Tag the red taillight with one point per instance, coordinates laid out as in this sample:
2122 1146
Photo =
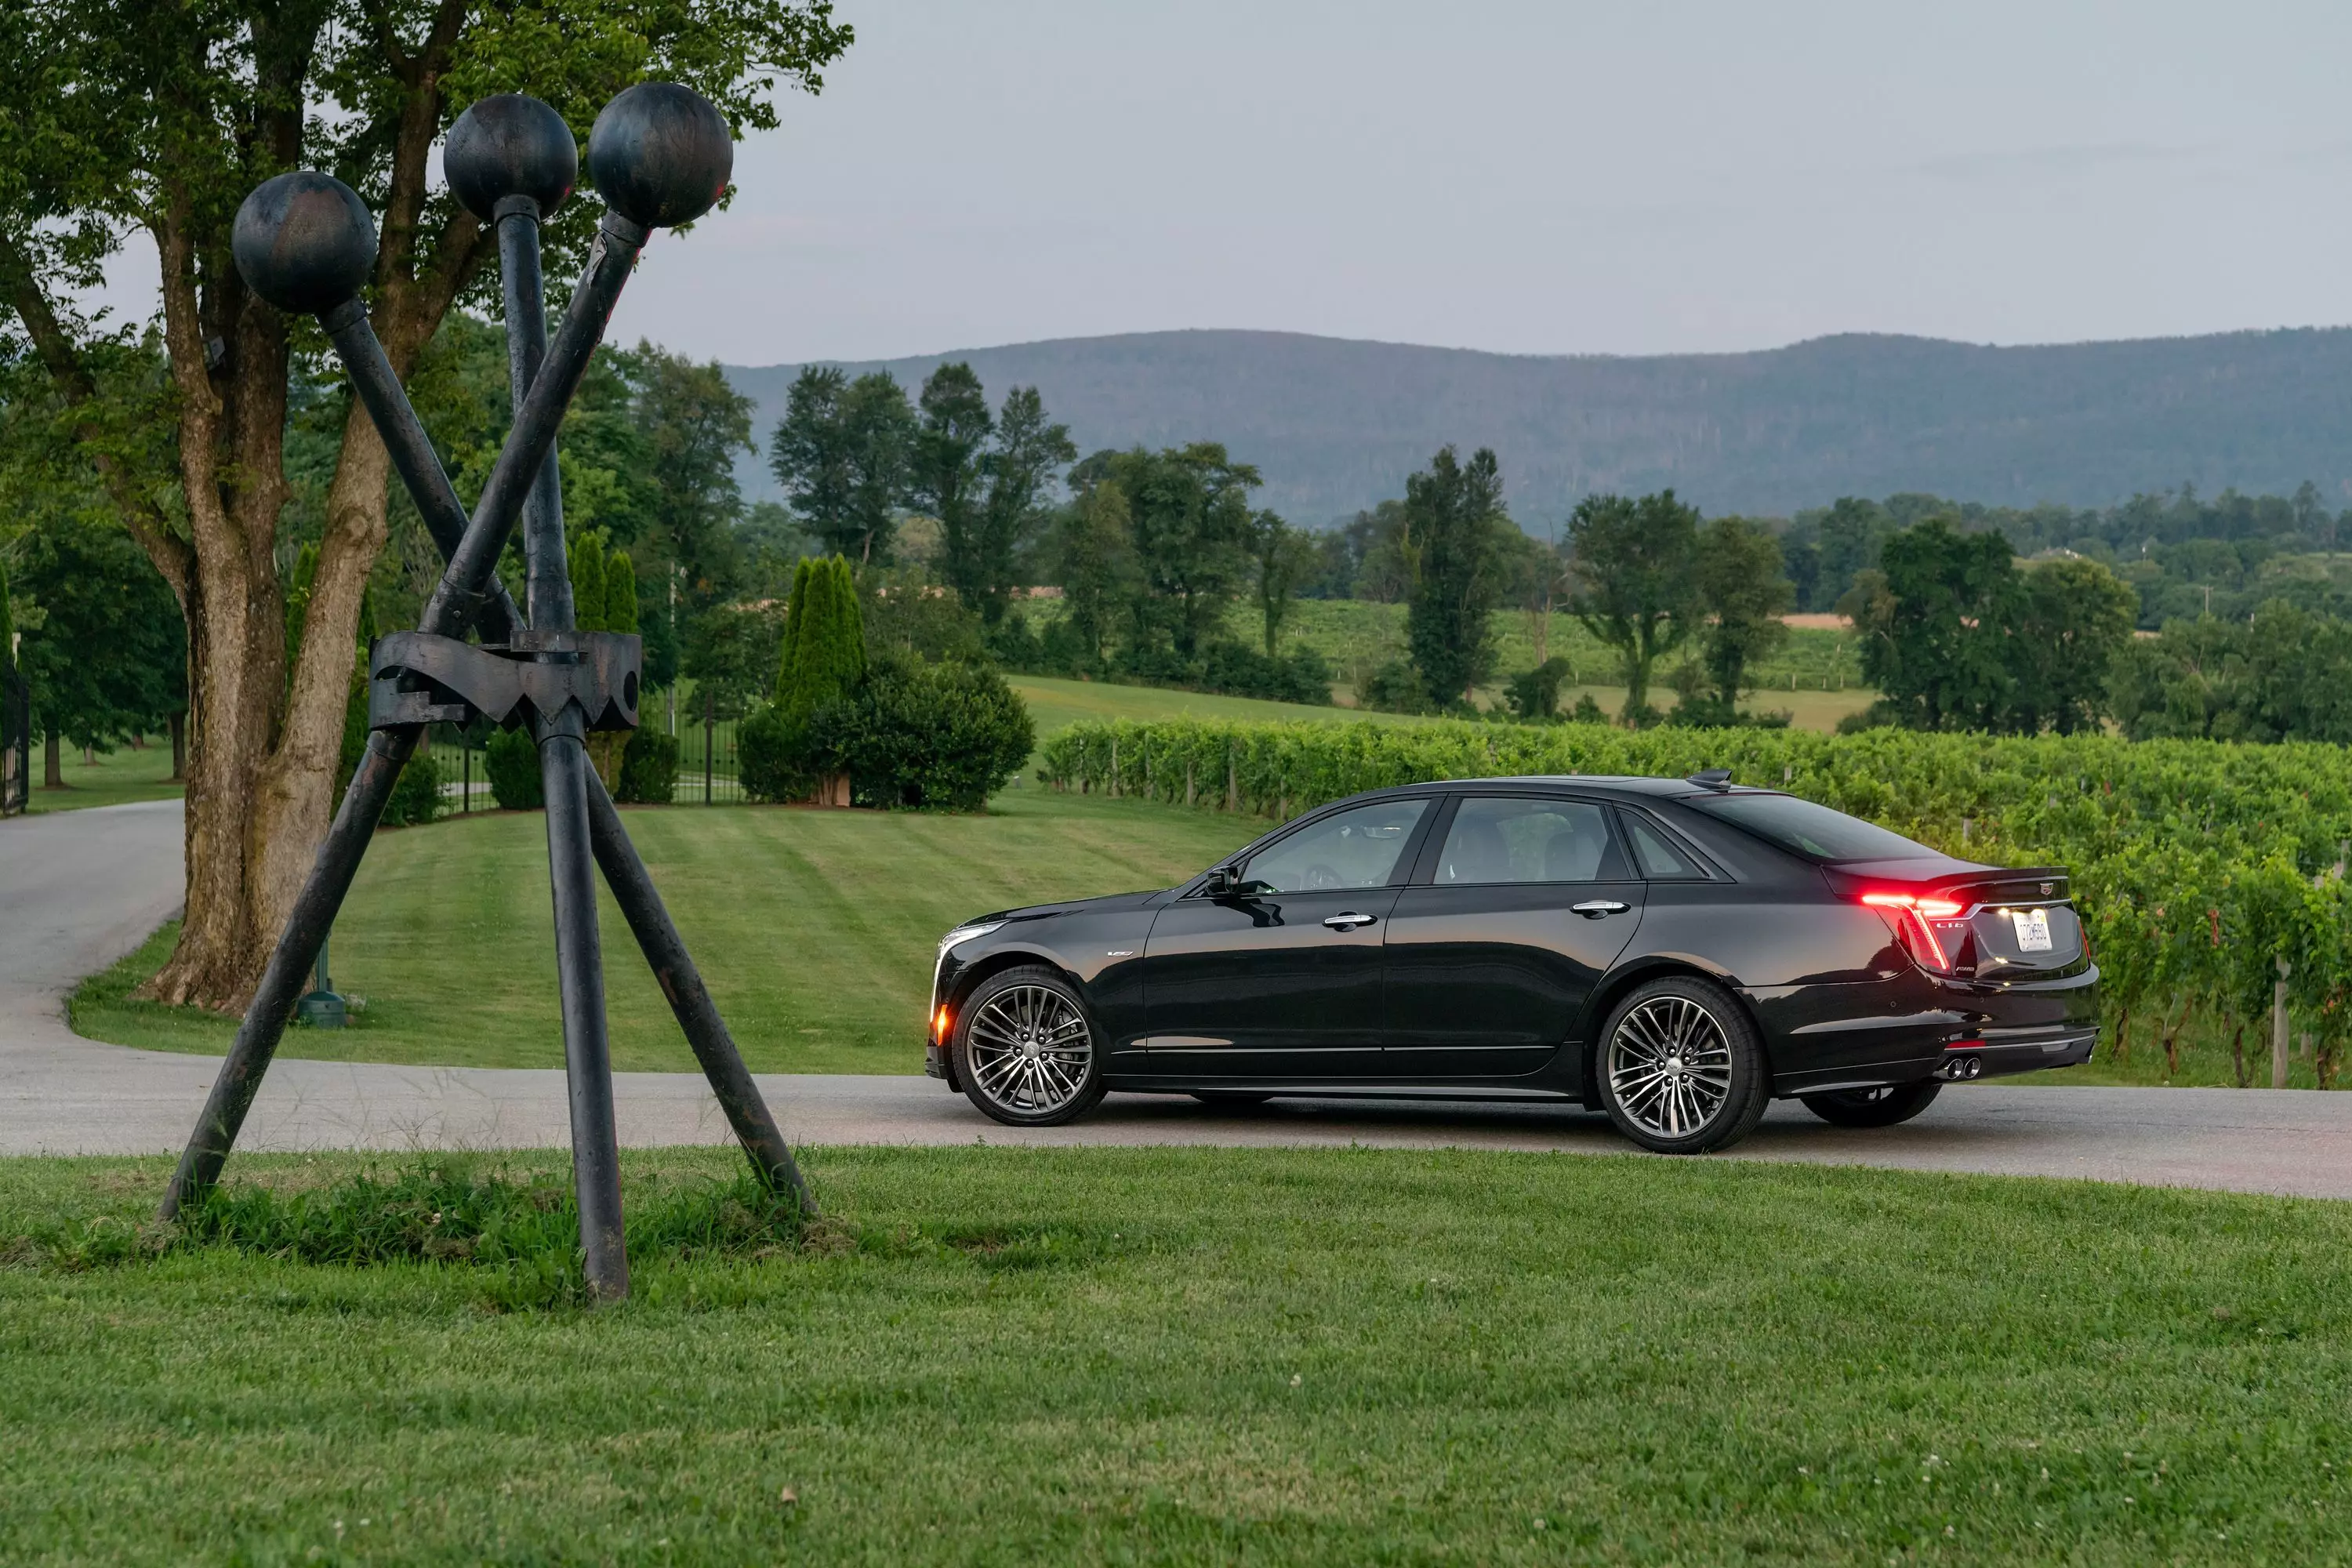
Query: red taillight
1922 921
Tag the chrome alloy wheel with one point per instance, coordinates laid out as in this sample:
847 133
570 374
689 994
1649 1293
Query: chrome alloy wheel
1670 1066
1029 1049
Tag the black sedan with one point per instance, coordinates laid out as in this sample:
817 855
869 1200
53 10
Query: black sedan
1675 953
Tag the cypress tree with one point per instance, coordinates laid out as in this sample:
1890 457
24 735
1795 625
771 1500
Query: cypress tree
825 639
587 555
795 618
620 593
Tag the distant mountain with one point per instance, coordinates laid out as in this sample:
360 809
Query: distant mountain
1336 425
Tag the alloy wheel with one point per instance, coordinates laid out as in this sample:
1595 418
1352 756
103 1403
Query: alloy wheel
1670 1066
1029 1048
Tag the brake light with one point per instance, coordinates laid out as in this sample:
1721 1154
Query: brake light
1923 923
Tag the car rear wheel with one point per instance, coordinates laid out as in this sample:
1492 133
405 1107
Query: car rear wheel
1682 1071
1231 1097
1024 1049
1882 1107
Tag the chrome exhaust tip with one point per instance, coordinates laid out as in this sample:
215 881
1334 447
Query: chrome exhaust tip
1961 1069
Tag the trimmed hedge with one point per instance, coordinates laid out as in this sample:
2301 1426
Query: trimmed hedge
648 769
511 762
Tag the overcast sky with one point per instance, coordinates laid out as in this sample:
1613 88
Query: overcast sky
1536 177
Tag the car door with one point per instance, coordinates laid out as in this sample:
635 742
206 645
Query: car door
1495 948
1280 978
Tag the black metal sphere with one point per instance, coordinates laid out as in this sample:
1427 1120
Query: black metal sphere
660 154
304 242
510 146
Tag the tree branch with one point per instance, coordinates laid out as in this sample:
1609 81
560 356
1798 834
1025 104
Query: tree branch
54 347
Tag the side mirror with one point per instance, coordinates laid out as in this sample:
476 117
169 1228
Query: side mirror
1219 883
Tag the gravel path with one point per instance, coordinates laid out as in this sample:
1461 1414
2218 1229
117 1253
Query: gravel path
77 889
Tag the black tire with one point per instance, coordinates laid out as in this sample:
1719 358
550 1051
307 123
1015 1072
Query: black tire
1233 1097
1883 1107
1664 1102
1033 1032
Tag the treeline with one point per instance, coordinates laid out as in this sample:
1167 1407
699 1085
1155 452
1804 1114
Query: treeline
2182 554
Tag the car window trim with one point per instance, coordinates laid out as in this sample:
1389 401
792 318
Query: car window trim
1708 869
1425 875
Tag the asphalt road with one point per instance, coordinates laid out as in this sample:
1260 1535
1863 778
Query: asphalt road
80 889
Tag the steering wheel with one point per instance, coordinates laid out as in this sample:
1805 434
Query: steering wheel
1323 879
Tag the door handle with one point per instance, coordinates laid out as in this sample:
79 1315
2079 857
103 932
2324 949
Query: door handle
1349 921
1594 908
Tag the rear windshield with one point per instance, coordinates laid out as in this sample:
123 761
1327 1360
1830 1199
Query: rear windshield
1813 831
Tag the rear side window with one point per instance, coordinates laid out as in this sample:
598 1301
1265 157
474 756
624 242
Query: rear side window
1815 832
1500 839
1656 855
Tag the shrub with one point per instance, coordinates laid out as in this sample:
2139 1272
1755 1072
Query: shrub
771 756
648 768
511 762
415 797
1534 693
912 734
1394 687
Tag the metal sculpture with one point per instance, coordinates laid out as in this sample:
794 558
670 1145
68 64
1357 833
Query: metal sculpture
660 155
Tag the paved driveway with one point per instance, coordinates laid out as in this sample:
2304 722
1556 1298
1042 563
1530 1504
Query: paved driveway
80 889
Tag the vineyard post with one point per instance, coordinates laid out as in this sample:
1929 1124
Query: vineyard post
2278 1028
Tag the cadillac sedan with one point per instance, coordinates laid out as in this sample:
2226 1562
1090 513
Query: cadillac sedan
1675 954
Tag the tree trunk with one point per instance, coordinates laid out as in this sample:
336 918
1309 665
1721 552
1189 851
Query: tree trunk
179 725
53 772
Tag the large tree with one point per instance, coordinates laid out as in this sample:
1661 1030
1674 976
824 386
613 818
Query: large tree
1188 531
1933 620
127 117
107 663
1744 590
1021 464
2075 617
944 474
1454 513
1635 562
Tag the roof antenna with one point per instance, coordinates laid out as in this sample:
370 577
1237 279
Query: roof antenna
1716 779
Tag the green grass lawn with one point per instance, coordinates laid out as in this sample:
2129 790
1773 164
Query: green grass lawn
114 778
816 928
996 1355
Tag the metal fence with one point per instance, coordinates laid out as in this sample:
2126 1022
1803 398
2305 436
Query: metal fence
707 773
16 742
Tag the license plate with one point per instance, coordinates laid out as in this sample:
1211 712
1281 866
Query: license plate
2032 929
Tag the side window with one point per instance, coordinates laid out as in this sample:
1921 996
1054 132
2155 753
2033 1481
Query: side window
1656 855
1509 839
1357 848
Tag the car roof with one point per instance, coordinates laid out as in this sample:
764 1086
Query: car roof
1629 783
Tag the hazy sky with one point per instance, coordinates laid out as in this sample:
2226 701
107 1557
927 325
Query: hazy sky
1533 178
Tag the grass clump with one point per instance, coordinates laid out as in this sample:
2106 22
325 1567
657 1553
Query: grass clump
514 1228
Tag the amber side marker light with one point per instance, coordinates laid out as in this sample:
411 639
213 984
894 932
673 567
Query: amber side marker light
940 1024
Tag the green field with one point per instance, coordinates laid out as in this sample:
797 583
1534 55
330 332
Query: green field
114 778
996 1355
816 928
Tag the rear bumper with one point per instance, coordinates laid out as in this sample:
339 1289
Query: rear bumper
1925 1027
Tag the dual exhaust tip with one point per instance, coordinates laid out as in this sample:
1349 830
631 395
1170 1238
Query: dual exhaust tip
1961 1069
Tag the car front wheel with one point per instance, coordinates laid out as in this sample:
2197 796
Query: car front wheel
1024 1049
1882 1107
1682 1071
